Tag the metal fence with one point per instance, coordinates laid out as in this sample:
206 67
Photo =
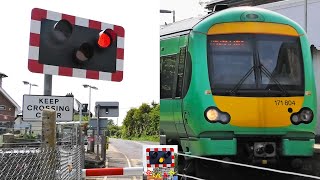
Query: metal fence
38 161
71 150
27 163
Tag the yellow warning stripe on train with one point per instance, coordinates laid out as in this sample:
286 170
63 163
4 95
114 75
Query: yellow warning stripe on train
253 27
259 111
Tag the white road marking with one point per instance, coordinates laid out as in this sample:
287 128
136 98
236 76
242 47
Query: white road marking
112 148
116 150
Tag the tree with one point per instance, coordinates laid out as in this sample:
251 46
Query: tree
142 121
128 123
114 130
155 120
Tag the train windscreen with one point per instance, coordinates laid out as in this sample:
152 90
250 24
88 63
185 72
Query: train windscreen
255 64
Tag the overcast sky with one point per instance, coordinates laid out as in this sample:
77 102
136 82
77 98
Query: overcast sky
183 9
140 19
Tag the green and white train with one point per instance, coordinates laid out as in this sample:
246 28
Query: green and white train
238 85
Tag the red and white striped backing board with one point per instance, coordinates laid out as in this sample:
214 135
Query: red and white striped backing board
34 66
160 165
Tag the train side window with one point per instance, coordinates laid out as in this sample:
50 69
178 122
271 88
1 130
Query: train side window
167 71
180 73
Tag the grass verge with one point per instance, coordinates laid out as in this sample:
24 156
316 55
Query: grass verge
145 138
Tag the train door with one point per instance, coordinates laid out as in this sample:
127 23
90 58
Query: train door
169 52
178 87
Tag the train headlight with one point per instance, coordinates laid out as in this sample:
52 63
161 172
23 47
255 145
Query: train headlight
305 115
213 115
224 118
295 119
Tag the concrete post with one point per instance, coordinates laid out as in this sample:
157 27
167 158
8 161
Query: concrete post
47 90
103 147
92 142
98 131
49 140
49 128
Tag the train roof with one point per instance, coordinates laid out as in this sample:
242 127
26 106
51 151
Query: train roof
180 26
188 24
185 26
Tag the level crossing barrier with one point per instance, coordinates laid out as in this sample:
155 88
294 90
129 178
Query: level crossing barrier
126 171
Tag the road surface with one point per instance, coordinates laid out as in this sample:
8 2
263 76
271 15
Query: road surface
125 153
130 150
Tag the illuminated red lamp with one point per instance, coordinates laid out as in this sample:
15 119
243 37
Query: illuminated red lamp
106 38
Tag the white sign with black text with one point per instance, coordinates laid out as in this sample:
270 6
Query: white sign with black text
33 106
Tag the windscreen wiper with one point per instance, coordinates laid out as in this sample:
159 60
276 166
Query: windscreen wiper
268 74
238 85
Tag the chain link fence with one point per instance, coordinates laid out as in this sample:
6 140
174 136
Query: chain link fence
71 150
27 163
35 160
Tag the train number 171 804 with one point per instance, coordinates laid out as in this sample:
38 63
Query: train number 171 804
285 102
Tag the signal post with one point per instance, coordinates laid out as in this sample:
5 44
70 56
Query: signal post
67 45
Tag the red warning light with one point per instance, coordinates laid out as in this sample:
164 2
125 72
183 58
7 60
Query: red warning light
104 40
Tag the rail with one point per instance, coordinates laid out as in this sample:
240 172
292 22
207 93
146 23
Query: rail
243 165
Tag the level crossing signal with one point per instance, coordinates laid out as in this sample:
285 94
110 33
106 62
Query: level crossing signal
66 45
160 157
